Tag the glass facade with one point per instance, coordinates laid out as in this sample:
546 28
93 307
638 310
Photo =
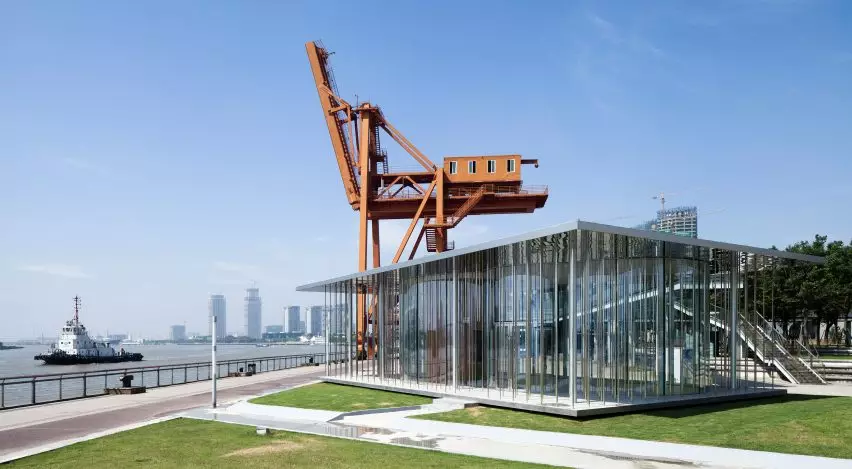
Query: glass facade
575 319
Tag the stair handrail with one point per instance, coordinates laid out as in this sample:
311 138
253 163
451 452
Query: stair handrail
800 350
811 356
468 205
771 333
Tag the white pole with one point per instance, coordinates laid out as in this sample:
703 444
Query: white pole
213 367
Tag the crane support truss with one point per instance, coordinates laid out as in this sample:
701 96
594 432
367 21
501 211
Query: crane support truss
377 192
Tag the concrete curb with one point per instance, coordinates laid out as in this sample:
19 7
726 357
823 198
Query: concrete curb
279 412
382 410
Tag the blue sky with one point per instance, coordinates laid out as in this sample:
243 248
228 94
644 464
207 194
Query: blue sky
152 153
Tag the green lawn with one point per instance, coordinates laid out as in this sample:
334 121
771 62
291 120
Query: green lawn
195 443
340 398
811 425
835 357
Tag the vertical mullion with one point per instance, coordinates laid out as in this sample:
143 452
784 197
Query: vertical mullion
528 336
541 351
554 305
572 321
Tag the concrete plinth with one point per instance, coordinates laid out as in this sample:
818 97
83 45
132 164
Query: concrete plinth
130 390
583 409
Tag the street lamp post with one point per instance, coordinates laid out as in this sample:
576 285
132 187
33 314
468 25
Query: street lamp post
213 368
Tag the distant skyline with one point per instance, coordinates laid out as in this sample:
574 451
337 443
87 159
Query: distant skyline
253 310
155 153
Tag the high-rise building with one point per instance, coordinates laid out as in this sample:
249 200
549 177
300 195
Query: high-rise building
252 310
681 221
336 317
177 333
302 326
293 320
216 307
315 320
274 329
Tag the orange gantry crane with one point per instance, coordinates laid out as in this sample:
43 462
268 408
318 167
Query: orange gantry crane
436 197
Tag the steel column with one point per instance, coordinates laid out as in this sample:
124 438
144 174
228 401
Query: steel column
734 320
572 322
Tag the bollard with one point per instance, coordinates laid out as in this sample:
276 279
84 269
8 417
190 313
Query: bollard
60 388
33 391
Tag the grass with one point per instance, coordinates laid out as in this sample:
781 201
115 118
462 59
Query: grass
810 425
835 357
340 398
195 443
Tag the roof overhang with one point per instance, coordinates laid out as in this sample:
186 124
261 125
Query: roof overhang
562 228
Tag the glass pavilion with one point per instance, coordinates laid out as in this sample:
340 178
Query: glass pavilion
577 319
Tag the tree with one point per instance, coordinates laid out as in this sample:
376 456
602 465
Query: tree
823 291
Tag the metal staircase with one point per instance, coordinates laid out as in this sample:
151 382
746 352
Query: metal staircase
431 243
381 154
467 206
791 358
794 361
430 229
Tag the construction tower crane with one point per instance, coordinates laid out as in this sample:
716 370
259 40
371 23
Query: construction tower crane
436 197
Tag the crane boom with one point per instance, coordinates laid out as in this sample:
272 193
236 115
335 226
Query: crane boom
333 106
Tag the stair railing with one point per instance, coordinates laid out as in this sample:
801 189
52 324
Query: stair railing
797 349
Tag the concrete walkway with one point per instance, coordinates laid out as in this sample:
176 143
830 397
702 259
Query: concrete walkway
593 451
557 449
41 428
50 425
833 389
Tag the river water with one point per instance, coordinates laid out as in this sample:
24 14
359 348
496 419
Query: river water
22 391
20 362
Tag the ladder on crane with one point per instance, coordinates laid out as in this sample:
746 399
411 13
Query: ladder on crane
431 229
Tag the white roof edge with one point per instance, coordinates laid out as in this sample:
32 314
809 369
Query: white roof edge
561 228
660 236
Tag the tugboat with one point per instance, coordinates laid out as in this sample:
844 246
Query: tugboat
75 347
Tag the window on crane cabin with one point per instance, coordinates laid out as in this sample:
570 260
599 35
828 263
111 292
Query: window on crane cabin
492 166
454 167
510 165
471 167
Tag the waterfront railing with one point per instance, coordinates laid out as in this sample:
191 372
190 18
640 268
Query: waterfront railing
28 390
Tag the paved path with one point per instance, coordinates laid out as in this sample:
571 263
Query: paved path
589 451
558 449
833 389
42 425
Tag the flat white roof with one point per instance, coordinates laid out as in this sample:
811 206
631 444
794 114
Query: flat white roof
562 228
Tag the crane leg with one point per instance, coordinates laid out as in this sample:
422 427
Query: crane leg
440 233
377 250
364 162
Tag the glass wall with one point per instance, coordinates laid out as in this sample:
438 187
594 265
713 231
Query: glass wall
580 318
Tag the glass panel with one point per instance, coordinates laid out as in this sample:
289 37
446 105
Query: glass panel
578 318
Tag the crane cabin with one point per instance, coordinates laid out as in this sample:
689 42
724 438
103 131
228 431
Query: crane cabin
499 169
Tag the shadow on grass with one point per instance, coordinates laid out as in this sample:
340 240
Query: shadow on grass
701 409
686 411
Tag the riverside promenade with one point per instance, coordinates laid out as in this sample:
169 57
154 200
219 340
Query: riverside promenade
55 424
27 432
